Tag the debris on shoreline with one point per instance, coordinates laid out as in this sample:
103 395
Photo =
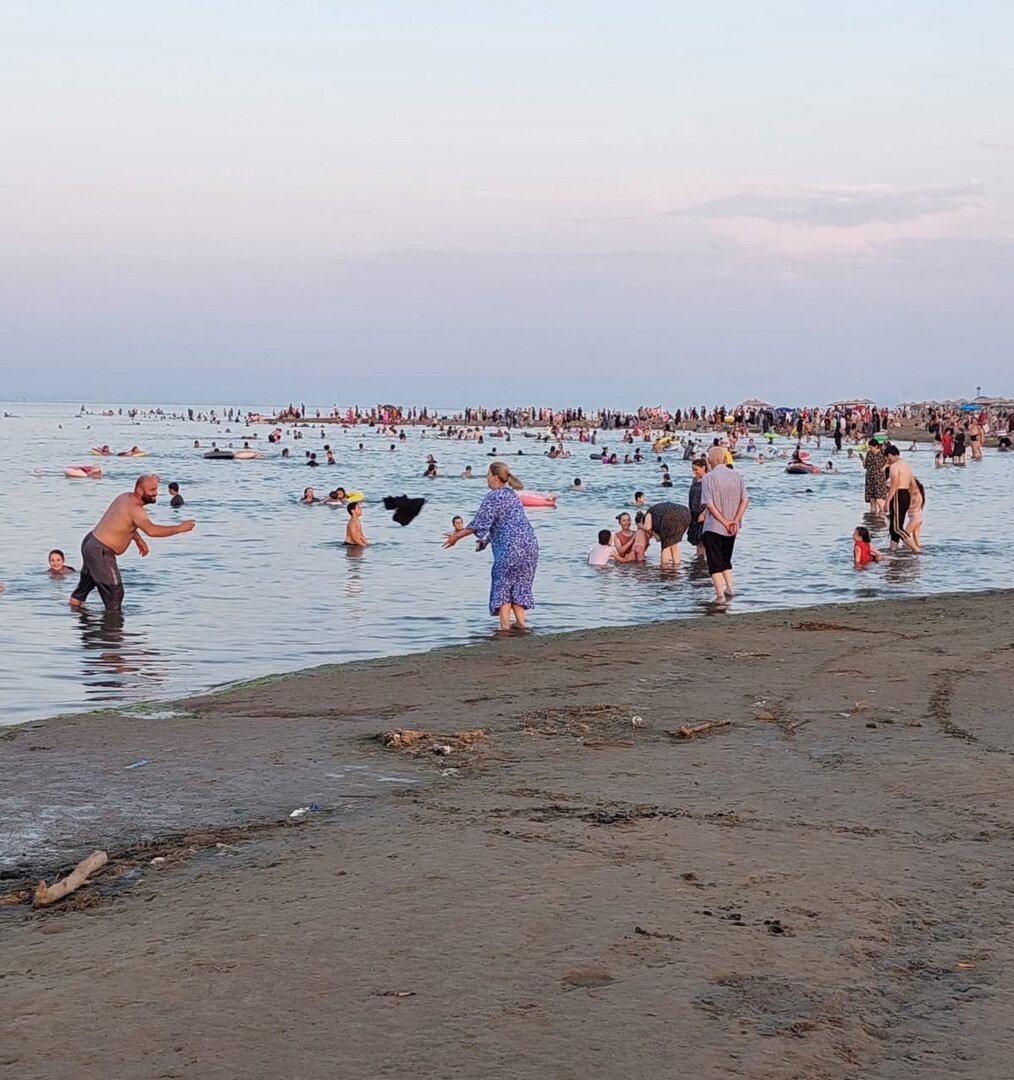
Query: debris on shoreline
691 731
426 742
50 894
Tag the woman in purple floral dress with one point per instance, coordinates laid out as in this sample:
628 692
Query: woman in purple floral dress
501 521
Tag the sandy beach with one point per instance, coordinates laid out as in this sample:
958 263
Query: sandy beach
819 889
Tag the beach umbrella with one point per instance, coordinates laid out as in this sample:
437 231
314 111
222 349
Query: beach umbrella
754 403
969 406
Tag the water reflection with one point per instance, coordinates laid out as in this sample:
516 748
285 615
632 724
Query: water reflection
114 659
697 569
902 569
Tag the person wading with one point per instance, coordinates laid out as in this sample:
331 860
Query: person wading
121 524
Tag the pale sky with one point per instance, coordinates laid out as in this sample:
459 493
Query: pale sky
454 202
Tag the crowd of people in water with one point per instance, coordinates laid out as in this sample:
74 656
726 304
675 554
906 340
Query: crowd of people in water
708 519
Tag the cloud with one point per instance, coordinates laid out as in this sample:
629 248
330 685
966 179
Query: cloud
834 222
844 208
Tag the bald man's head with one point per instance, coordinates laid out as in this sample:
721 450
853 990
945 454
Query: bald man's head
716 457
146 488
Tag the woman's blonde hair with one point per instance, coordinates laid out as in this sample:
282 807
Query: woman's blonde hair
500 470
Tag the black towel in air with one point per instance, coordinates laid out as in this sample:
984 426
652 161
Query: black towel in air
405 509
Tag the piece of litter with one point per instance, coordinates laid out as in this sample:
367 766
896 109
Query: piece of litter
442 749
962 964
636 721
448 772
302 811
137 764
159 860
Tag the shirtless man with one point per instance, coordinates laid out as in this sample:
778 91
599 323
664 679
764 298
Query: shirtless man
120 525
354 535
901 485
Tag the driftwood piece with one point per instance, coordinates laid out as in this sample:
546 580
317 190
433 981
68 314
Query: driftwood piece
49 894
690 731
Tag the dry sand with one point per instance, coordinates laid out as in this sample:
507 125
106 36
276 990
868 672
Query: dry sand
820 890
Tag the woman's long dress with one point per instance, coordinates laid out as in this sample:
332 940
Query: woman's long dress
876 477
501 520
669 521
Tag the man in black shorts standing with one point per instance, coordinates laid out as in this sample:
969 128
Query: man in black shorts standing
121 524
724 498
901 485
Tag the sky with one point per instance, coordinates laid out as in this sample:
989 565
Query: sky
453 202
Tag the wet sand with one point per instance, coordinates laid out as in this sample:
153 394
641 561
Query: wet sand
821 889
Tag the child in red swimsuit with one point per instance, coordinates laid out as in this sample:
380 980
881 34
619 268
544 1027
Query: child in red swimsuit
863 552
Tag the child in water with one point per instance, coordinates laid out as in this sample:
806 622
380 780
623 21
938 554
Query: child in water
913 523
57 564
863 553
354 535
603 551
643 538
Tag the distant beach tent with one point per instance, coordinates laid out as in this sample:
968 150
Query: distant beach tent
754 403
969 406
851 402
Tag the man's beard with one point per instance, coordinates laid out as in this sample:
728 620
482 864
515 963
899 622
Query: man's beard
147 500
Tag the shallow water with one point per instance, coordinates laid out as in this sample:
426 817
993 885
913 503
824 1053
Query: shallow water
264 584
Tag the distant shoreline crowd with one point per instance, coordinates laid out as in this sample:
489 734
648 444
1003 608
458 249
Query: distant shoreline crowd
856 418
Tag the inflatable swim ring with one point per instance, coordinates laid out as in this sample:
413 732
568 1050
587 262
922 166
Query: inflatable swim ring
247 455
99 452
89 472
354 496
219 455
799 468
536 498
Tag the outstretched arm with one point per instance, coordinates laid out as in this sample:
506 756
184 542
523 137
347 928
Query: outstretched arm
452 538
143 523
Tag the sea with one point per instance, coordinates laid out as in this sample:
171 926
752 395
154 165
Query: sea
264 585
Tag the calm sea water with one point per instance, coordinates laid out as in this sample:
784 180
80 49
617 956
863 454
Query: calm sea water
264 584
